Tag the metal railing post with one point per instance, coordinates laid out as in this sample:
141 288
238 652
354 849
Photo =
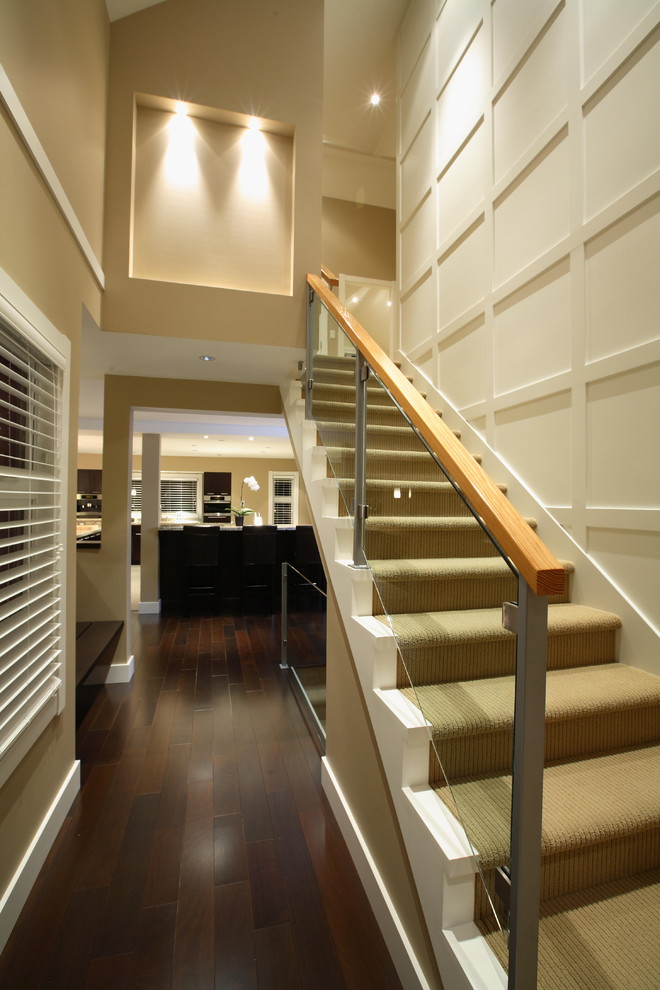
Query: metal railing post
309 367
360 509
284 622
529 619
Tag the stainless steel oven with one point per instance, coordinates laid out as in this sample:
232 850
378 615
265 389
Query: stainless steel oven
217 508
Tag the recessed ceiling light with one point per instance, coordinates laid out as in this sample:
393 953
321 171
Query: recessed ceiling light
182 109
354 299
250 438
206 436
206 357
375 99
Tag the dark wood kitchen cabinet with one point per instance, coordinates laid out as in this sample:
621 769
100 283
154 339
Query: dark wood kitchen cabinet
89 481
136 542
217 482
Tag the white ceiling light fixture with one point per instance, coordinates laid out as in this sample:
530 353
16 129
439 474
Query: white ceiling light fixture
206 357
374 99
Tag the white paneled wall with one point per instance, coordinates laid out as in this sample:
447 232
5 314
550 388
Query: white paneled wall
529 251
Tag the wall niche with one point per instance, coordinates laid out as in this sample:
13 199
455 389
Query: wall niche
212 197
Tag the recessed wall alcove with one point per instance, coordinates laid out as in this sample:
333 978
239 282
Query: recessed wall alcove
212 197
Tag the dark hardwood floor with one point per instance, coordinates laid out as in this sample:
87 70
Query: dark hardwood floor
200 852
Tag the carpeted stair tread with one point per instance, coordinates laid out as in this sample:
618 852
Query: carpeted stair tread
336 411
379 523
404 467
339 392
416 486
429 628
578 805
603 938
444 568
379 436
486 705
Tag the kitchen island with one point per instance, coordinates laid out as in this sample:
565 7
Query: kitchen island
239 569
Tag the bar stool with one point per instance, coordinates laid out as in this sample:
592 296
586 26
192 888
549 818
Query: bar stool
200 561
258 572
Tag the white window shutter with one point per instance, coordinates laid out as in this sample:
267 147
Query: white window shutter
30 533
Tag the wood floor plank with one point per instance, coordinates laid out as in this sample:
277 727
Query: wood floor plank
204 680
223 732
174 792
193 961
361 949
226 793
98 861
162 883
235 966
151 963
317 955
155 760
254 801
201 753
119 923
270 901
109 973
230 855
277 959
68 964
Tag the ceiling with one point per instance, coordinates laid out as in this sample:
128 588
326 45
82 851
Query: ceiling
359 60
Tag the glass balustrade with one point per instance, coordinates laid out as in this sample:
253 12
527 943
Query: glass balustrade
439 584
303 643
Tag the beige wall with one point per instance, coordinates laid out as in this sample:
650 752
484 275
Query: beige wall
247 58
529 204
358 239
353 756
56 59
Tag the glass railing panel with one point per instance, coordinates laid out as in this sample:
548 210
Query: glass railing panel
304 637
333 401
439 584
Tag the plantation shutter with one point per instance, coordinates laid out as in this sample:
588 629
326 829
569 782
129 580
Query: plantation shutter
136 495
178 495
30 533
282 501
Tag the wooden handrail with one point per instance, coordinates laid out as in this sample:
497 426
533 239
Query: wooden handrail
528 554
329 277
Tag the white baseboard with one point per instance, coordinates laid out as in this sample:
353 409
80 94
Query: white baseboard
401 951
149 608
116 673
19 887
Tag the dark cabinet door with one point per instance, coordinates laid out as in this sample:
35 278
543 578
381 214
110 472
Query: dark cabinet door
136 543
217 482
83 481
89 481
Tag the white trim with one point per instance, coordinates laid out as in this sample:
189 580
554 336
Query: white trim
295 489
149 608
18 310
115 673
403 956
34 146
19 887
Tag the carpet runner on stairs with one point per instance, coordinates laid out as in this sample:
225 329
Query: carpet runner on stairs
439 583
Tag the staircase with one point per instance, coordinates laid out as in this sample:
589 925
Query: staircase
438 584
